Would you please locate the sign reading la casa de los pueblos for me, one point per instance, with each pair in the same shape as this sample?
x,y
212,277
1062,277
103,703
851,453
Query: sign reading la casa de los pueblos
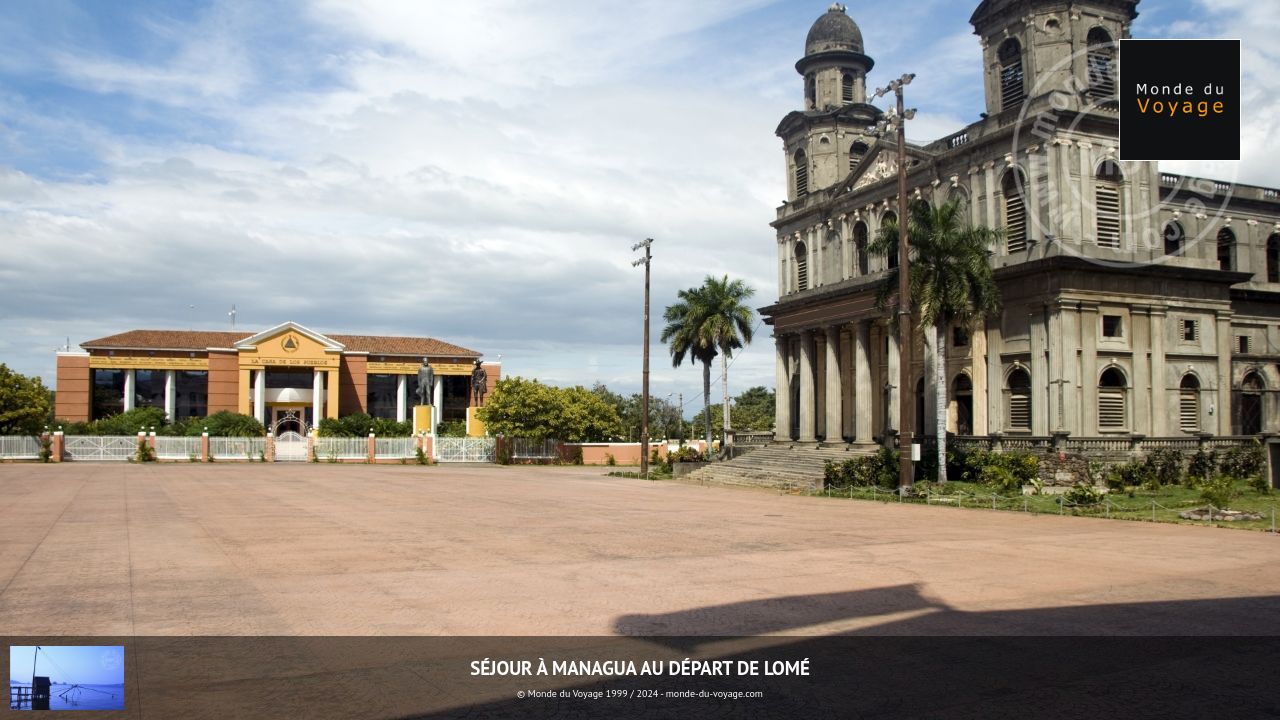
x,y
1179,99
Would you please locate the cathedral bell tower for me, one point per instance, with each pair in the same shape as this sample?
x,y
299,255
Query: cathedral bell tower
x,y
825,141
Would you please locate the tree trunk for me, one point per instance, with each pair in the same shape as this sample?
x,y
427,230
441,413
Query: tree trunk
x,y
940,393
706,400
724,366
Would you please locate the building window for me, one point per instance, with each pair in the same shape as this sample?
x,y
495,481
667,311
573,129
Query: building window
x,y
1012,91
1111,395
1015,213
846,87
891,257
962,391
192,391
1189,404
1273,258
148,388
1249,404
1111,326
802,173
960,336
1226,249
1190,330
857,151
810,93
1019,406
382,396
108,393
1107,202
802,267
860,247
1244,344
1173,237
1101,59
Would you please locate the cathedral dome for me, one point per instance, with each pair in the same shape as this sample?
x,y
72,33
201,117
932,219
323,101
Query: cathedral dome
x,y
833,31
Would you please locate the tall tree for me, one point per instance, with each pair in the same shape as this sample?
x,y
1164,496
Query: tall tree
x,y
952,284
710,320
24,403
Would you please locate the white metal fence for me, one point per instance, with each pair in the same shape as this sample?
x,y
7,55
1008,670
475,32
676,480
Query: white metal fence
x,y
342,448
237,448
526,449
290,447
398,447
19,447
466,449
177,448
100,447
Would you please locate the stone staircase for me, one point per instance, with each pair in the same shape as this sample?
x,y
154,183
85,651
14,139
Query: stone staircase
x,y
781,465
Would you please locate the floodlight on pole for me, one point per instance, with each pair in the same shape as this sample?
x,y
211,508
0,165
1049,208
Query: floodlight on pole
x,y
644,382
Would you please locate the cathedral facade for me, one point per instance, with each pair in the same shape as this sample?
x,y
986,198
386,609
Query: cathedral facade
x,y
1134,302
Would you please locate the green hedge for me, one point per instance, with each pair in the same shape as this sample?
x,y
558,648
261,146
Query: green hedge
x,y
361,424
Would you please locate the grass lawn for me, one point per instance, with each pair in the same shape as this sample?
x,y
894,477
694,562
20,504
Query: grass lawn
x,y
1136,504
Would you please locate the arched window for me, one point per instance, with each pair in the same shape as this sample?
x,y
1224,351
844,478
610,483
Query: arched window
x,y
810,93
892,255
802,173
1189,404
1101,61
1107,202
962,391
1019,405
1015,212
846,87
1012,91
1173,237
1111,396
1226,249
857,151
802,267
1273,258
860,247
1250,404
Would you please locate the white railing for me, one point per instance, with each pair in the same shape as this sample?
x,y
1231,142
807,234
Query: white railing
x,y
290,446
19,447
526,449
398,447
342,448
100,447
466,449
237,448
177,448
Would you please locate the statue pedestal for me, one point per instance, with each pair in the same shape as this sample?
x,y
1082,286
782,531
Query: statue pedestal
x,y
475,426
422,420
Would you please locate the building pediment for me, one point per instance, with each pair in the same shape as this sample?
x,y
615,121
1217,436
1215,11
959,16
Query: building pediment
x,y
881,163
292,337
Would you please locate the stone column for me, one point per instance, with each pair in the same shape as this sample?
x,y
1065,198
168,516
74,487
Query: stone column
x,y
834,428
1223,338
806,409
1142,386
782,266
996,421
1088,225
1035,229
892,376
317,397
1160,425
1039,374
989,175
130,389
1089,369
260,395
1057,393
402,397
170,394
862,383
782,391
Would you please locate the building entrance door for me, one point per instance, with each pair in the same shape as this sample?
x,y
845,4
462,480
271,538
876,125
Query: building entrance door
x,y
290,419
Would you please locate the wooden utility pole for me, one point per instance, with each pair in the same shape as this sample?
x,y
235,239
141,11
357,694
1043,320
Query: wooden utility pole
x,y
644,381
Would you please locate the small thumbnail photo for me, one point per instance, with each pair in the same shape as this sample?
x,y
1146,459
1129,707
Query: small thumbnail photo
x,y
66,677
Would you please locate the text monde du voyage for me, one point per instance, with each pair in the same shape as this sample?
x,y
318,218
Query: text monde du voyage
x,y
1180,99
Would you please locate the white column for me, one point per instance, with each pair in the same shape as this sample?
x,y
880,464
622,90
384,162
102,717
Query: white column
x,y
782,390
402,397
834,431
317,397
862,382
260,395
130,389
437,401
170,394
807,394
892,377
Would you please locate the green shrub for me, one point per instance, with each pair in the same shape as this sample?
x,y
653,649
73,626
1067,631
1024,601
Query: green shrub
x,y
1219,491
1135,473
1202,466
1260,484
1082,494
125,423
610,460
1166,464
880,469
46,448
1243,461
1001,480
686,454
229,424
1017,468
360,424
452,428
144,453
420,456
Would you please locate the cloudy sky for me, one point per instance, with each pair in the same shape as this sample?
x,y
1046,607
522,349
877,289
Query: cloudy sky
x,y
474,171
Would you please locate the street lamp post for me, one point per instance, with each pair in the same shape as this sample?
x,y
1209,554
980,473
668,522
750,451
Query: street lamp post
x,y
644,382
905,435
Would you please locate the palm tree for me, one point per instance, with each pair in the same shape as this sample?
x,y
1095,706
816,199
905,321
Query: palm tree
x,y
707,321
951,282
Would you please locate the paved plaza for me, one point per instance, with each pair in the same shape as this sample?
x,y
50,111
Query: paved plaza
x,y
327,549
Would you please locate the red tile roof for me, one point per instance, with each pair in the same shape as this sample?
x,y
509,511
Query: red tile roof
x,y
204,339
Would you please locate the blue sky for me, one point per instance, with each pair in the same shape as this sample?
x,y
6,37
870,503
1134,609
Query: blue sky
x,y
471,171
75,664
